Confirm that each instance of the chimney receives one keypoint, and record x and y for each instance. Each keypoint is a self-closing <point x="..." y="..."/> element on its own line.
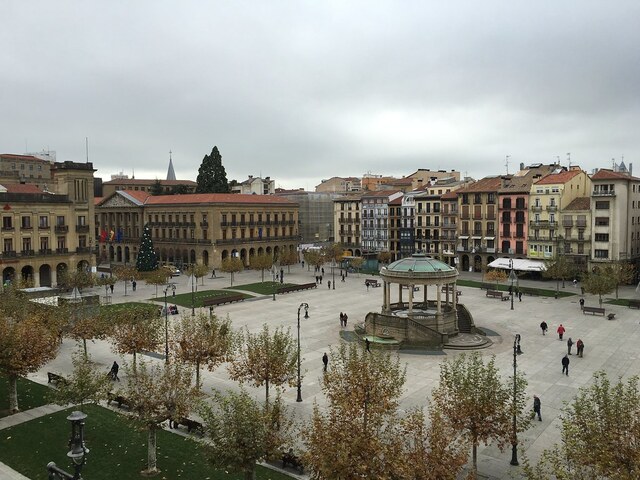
<point x="521" y="165"/>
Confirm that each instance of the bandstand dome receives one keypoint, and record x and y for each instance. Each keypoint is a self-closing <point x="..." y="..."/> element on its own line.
<point x="419" y="267"/>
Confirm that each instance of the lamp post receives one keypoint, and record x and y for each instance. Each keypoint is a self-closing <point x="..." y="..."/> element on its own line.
<point x="273" y="276"/>
<point x="514" y="446"/>
<point x="77" y="453"/>
<point x="166" y="321"/>
<point x="333" y="273"/>
<point x="512" y="278"/>
<point x="193" y="305"/>
<point x="306" y="315"/>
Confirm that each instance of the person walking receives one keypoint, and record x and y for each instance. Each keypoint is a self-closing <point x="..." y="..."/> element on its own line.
<point x="329" y="284"/>
<point x="518" y="349"/>
<point x="345" y="320"/>
<point x="134" y="284"/>
<point x="111" y="288"/>
<point x="325" y="361"/>
<point x="582" y="304"/>
<point x="569" y="345"/>
<point x="341" y="319"/>
<point x="343" y="277"/>
<point x="561" y="331"/>
<point x="579" y="347"/>
<point x="536" y="407"/>
<point x="544" y="327"/>
<point x="565" y="365"/>
<point x="520" y="295"/>
<point x="114" y="371"/>
<point x="367" y="344"/>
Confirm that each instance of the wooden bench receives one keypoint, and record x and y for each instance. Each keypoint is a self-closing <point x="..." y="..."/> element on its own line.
<point x="450" y="290"/>
<point x="222" y="299"/>
<point x="119" y="399"/>
<point x="593" y="310"/>
<point x="187" y="422"/>
<point x="371" y="282"/>
<point x="496" y="294"/>
<point x="296" y="288"/>
<point x="634" y="304"/>
<point x="57" y="379"/>
<point x="289" y="458"/>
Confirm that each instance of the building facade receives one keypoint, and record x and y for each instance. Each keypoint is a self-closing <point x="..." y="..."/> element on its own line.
<point x="144" y="185"/>
<point x="340" y="185"/>
<point x="255" y="186"/>
<point x="315" y="214"/>
<point x="347" y="223"/>
<point x="575" y="235"/>
<point x="375" y="221"/>
<point x="196" y="228"/>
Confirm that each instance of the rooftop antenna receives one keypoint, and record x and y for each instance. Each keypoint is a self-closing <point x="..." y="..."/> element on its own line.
<point x="506" y="163"/>
<point x="569" y="158"/>
<point x="557" y="159"/>
<point x="86" y="147"/>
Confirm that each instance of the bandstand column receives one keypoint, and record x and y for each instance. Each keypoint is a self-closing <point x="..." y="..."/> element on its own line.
<point x="400" y="293"/>
<point x="385" y="298"/>
<point x="454" y="300"/>
<point x="438" y="296"/>
<point x="410" y="299"/>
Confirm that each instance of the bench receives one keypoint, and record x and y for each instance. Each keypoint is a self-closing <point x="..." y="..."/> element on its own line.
<point x="450" y="290"/>
<point x="297" y="288"/>
<point x="593" y="310"/>
<point x="634" y="304"/>
<point x="496" y="294"/>
<point x="371" y="282"/>
<point x="289" y="458"/>
<point x="222" y="299"/>
<point x="119" y="399"/>
<point x="187" y="422"/>
<point x="57" y="379"/>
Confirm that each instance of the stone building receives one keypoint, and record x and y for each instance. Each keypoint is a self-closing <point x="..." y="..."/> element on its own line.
<point x="255" y="186"/>
<point x="44" y="233"/>
<point x="375" y="221"/>
<point x="347" y="223"/>
<point x="575" y="235"/>
<point x="196" y="228"/>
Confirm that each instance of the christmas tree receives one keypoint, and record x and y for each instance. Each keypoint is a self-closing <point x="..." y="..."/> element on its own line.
<point x="147" y="258"/>
<point x="212" y="177"/>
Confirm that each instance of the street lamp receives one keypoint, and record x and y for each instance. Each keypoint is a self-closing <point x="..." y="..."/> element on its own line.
<point x="333" y="274"/>
<point x="172" y="287"/>
<point x="193" y="305"/>
<point x="273" y="276"/>
<point x="306" y="315"/>
<point x="512" y="277"/>
<point x="514" y="446"/>
<point x="77" y="453"/>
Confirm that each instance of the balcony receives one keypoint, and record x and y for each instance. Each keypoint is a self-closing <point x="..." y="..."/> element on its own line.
<point x="567" y="223"/>
<point x="543" y="224"/>
<point x="82" y="228"/>
<point x="465" y="216"/>
<point x="505" y="220"/>
<point x="477" y="233"/>
<point x="9" y="254"/>
<point x="27" y="253"/>
<point x="45" y="251"/>
<point x="478" y="216"/>
<point x="603" y="193"/>
<point x="449" y="226"/>
<point x="581" y="223"/>
<point x="61" y="229"/>
<point x="536" y="208"/>
<point x="44" y="227"/>
<point x="83" y="250"/>
<point x="62" y="250"/>
<point x="26" y="227"/>
<point x="491" y="250"/>
<point x="552" y="208"/>
<point x="7" y="228"/>
<point x="204" y="224"/>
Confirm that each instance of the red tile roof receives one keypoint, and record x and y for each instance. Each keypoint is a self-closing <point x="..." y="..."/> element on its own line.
<point x="141" y="181"/>
<point x="22" y="188"/>
<point x="215" y="198"/>
<point x="396" y="201"/>
<point x="13" y="156"/>
<point x="606" y="174"/>
<point x="379" y="193"/>
<point x="136" y="194"/>
<point x="450" y="195"/>
<point x="97" y="200"/>
<point x="557" y="178"/>
<point x="487" y="184"/>
<point x="579" y="203"/>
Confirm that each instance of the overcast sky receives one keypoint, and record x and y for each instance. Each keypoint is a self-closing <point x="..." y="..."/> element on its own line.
<point x="301" y="90"/>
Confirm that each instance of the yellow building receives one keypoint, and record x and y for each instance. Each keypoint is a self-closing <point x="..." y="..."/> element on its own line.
<point x="46" y="232"/>
<point x="347" y="223"/>
<point x="195" y="228"/>
<point x="548" y="198"/>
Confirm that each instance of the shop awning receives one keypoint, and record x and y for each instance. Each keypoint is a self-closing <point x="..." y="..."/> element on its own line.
<point x="519" y="264"/>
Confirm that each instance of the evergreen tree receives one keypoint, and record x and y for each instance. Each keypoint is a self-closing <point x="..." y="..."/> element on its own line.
<point x="212" y="177"/>
<point x="156" y="188"/>
<point x="147" y="259"/>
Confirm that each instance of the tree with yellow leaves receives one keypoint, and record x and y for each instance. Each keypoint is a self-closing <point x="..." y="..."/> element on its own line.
<point x="26" y="341"/>
<point x="136" y="330"/>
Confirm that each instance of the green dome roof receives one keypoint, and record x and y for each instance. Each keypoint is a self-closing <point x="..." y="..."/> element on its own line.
<point x="420" y="263"/>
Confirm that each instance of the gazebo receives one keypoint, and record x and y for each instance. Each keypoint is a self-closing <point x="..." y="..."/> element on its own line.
<point x="426" y="311"/>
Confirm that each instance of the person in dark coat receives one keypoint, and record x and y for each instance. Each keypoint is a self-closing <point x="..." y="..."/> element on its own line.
<point x="367" y="344"/>
<point x="134" y="284"/>
<point x="114" y="371"/>
<point x="345" y="319"/>
<point x="536" y="407"/>
<point x="341" y="319"/>
<point x="544" y="327"/>
<point x="569" y="345"/>
<point x="325" y="361"/>
<point x="580" y="347"/>
<point x="565" y="365"/>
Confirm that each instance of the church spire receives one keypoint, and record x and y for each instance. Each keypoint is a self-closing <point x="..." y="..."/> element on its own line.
<point x="171" y="174"/>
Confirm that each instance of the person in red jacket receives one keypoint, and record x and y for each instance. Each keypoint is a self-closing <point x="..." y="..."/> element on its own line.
<point x="561" y="331"/>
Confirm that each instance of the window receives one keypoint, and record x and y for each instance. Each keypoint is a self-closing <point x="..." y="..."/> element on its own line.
<point x="44" y="243"/>
<point x="25" y="222"/>
<point x="602" y="205"/>
<point x="601" y="237"/>
<point x="602" y="221"/>
<point x="60" y="220"/>
<point x="8" y="245"/>
<point x="491" y="198"/>
<point x="82" y="220"/>
<point x="62" y="243"/>
<point x="7" y="223"/>
<point x="601" y="253"/>
<point x="477" y="198"/>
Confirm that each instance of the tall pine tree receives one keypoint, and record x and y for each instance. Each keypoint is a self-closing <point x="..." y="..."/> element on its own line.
<point x="147" y="259"/>
<point x="212" y="177"/>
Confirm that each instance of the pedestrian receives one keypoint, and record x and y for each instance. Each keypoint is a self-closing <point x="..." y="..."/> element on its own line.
<point x="569" y="345"/>
<point x="367" y="284"/>
<point x="343" y="277"/>
<point x="582" y="304"/>
<point x="575" y="282"/>
<point x="321" y="278"/>
<point x="536" y="407"/>
<point x="518" y="349"/>
<point x="329" y="284"/>
<point x="281" y="274"/>
<point x="213" y="273"/>
<point x="322" y="271"/>
<point x="317" y="280"/>
<point x="510" y="290"/>
<point x="134" y="284"/>
<point x="114" y="371"/>
<point x="544" y="327"/>
<point x="346" y="273"/>
<point x="565" y="365"/>
<point x="111" y="288"/>
<point x="345" y="319"/>
<point x="341" y="319"/>
<point x="520" y="295"/>
<point x="579" y="347"/>
<point x="367" y="344"/>
<point x="561" y="331"/>
<point x="302" y="263"/>
<point x="325" y="361"/>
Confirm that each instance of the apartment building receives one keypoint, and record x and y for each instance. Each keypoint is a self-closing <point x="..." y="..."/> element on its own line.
<point x="340" y="185"/>
<point x="347" y="223"/>
<point x="615" y="223"/>
<point x="448" y="228"/>
<point x="548" y="198"/>
<point x="478" y="207"/>
<point x="44" y="233"/>
<point x="144" y="185"/>
<point x="375" y="220"/>
<point x="315" y="214"/>
<point x="574" y="238"/>
<point x="196" y="228"/>
<point x="255" y="186"/>
<point x="397" y="233"/>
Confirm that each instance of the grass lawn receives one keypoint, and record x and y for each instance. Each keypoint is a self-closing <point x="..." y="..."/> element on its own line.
<point x="184" y="299"/>
<point x="540" y="292"/>
<point x="623" y="302"/>
<point x="117" y="449"/>
<point x="30" y="394"/>
<point x="262" y="288"/>
<point x="119" y="307"/>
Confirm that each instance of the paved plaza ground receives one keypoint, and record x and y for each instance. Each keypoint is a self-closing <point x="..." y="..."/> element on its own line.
<point x="611" y="346"/>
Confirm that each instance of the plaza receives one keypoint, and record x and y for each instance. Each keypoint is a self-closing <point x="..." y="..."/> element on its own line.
<point x="609" y="345"/>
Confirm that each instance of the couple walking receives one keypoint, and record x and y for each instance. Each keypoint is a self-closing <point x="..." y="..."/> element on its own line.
<point x="343" y="319"/>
